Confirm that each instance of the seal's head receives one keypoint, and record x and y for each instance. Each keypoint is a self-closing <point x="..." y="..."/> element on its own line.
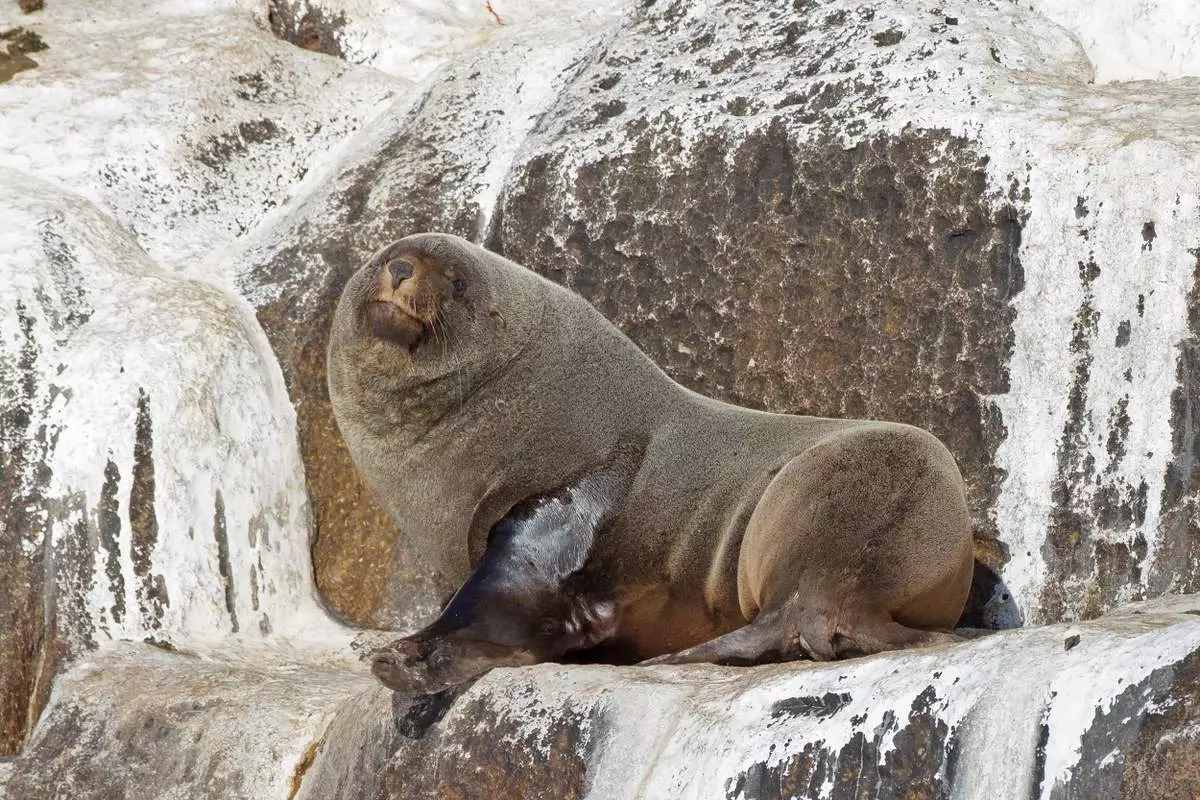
<point x="408" y="294"/>
<point x="429" y="307"/>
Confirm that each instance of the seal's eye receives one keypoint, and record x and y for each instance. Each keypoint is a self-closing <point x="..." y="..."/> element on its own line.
<point x="459" y="284"/>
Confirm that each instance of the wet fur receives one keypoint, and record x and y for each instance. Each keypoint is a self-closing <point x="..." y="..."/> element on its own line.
<point x="720" y="534"/>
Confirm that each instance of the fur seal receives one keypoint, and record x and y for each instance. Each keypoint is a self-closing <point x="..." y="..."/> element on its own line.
<point x="592" y="508"/>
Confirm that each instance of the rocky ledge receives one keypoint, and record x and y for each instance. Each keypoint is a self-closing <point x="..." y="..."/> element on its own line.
<point x="1103" y="709"/>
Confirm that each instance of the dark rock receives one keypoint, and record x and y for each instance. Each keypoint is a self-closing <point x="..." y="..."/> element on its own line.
<point x="888" y="37"/>
<point x="24" y="450"/>
<point x="224" y="568"/>
<point x="415" y="715"/>
<point x="1174" y="566"/>
<point x="1123" y="332"/>
<point x="914" y="767"/>
<point x="109" y="524"/>
<point x="820" y="707"/>
<point x="217" y="151"/>
<point x="1163" y="759"/>
<point x="14" y="57"/>
<point x="44" y="578"/>
<point x="307" y="26"/>
<point x="811" y="312"/>
<point x="23" y="40"/>
<point x="484" y="751"/>
<point x="143" y="519"/>
<point x="1146" y="744"/>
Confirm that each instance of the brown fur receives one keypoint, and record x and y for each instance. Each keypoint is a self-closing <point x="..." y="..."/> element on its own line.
<point x="833" y="537"/>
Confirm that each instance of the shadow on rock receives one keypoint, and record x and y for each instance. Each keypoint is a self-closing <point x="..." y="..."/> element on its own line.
<point x="990" y="605"/>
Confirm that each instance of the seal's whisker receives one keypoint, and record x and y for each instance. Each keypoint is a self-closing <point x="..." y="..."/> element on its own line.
<point x="455" y="358"/>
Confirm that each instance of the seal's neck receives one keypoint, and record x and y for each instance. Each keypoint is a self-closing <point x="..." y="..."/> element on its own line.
<point x="402" y="396"/>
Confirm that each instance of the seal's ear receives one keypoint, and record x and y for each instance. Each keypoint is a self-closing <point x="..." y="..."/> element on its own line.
<point x="497" y="317"/>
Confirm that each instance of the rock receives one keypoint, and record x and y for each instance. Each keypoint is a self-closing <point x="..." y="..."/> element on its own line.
<point x="218" y="122"/>
<point x="1011" y="715"/>
<point x="151" y="485"/>
<point x="15" y="58"/>
<point x="308" y="28"/>
<point x="1130" y="41"/>
<point x="413" y="40"/>
<point x="139" y="722"/>
<point x="204" y="157"/>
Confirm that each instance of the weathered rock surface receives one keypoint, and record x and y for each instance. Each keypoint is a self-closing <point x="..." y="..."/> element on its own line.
<point x="1102" y="709"/>
<point x="150" y="483"/>
<point x="137" y="721"/>
<point x="204" y="155"/>
<point x="972" y="217"/>
<point x="187" y="125"/>
<point x="412" y="39"/>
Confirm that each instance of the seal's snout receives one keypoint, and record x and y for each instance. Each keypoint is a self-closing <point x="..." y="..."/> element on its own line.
<point x="391" y="672"/>
<point x="407" y="297"/>
<point x="402" y="666"/>
<point x="405" y="301"/>
<point x="385" y="666"/>
<point x="414" y="285"/>
<point x="400" y="271"/>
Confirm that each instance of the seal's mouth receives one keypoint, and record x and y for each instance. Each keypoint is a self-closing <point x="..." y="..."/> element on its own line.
<point x="391" y="322"/>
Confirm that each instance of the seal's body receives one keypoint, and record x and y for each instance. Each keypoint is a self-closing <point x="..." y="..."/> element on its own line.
<point x="586" y="501"/>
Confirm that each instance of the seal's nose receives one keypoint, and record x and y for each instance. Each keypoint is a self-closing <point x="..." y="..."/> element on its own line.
<point x="401" y="270"/>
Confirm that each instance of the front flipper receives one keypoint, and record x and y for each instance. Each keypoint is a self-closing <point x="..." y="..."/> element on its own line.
<point x="523" y="603"/>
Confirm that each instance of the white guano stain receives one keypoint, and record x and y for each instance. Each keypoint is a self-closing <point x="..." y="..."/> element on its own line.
<point x="186" y="122"/>
<point x="1131" y="40"/>
<point x="221" y="421"/>
<point x="413" y="39"/>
